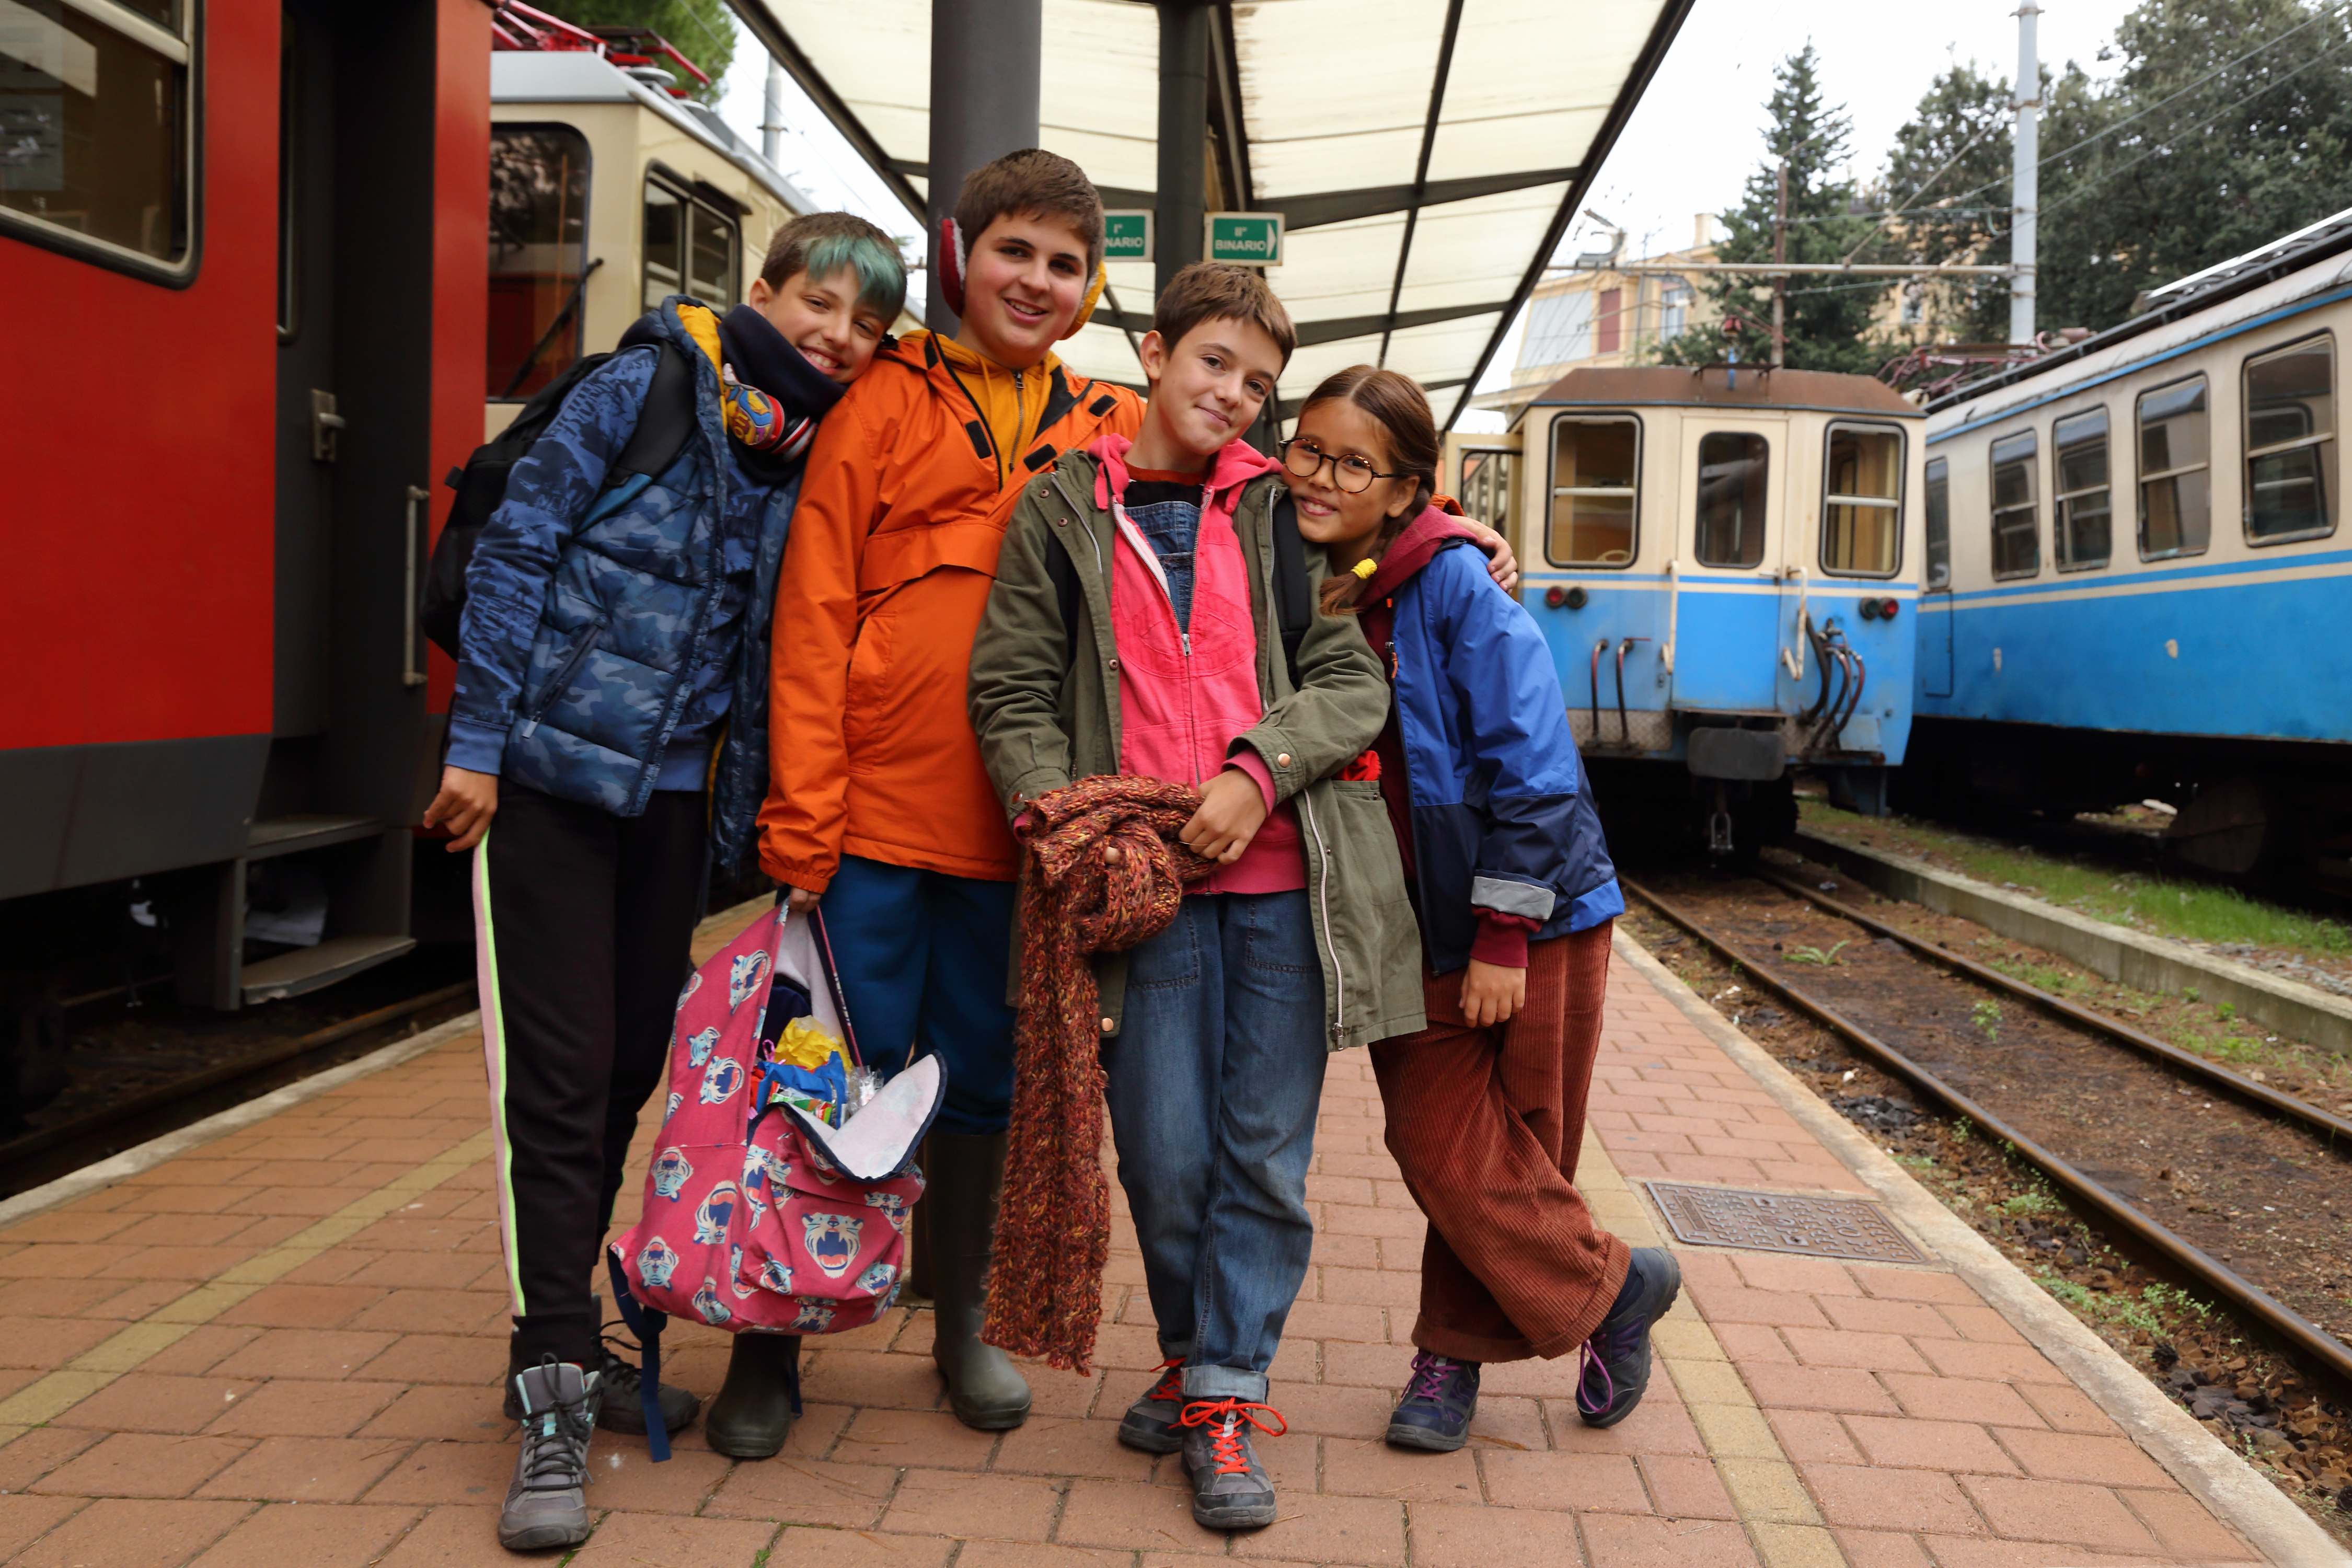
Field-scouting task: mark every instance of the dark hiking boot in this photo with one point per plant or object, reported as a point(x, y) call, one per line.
point(1440, 1398)
point(545, 1503)
point(753, 1413)
point(1150, 1423)
point(1614, 1366)
point(622, 1408)
point(1231, 1489)
point(965, 1173)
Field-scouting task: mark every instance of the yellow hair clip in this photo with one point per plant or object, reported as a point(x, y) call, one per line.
point(1364, 569)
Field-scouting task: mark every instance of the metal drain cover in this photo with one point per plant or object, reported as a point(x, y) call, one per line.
point(1783, 1222)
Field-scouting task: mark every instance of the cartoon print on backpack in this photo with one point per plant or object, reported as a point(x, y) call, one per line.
point(711, 1216)
point(735, 1276)
point(814, 1317)
point(877, 1280)
point(893, 1207)
point(686, 992)
point(697, 1046)
point(676, 1100)
point(832, 1241)
point(707, 1302)
point(776, 1277)
point(657, 1263)
point(670, 1173)
point(720, 1079)
point(744, 975)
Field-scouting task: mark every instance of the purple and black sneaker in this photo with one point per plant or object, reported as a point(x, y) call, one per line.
point(1440, 1398)
point(1615, 1371)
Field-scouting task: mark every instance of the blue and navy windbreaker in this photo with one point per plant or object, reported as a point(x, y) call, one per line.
point(1501, 816)
point(593, 617)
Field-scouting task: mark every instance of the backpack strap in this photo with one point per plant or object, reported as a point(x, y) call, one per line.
point(664, 424)
point(1294, 596)
point(647, 1323)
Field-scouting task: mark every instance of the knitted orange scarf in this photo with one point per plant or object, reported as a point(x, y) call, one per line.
point(1103, 871)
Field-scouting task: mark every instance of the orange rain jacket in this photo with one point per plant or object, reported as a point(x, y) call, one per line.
point(892, 554)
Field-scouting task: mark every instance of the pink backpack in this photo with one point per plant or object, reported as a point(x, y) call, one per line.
point(759, 1217)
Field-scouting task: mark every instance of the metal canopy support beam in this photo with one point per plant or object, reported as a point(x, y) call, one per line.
point(1320, 207)
point(1291, 407)
point(1226, 108)
point(984, 102)
point(1420, 166)
point(762, 25)
point(1184, 29)
point(1637, 82)
point(1340, 328)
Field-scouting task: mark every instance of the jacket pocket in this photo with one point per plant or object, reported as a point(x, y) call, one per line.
point(561, 681)
point(1365, 921)
point(868, 690)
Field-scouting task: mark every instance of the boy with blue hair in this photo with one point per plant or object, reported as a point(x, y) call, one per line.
point(611, 715)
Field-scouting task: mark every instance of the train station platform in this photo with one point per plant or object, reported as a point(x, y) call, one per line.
point(276, 1340)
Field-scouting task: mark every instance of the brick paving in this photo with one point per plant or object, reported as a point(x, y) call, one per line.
point(283, 1348)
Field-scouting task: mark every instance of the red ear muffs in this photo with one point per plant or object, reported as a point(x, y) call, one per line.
point(954, 261)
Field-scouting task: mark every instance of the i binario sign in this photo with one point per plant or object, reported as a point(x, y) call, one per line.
point(1243, 239)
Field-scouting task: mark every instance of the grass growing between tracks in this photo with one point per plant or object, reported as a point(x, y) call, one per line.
point(2162, 906)
point(2247, 1395)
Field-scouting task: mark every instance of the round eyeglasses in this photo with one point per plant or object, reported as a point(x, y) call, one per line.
point(1352, 474)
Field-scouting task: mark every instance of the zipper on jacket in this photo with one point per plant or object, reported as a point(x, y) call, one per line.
point(1323, 899)
point(563, 676)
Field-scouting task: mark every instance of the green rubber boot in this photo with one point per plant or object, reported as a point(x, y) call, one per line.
point(753, 1413)
point(965, 1174)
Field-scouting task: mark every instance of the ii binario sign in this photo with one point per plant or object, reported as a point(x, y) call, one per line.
point(1245, 239)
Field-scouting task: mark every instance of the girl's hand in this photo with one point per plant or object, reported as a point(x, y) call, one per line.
point(1491, 993)
point(1232, 808)
point(467, 802)
point(1502, 564)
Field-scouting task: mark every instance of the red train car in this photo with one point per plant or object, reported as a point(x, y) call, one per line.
point(242, 253)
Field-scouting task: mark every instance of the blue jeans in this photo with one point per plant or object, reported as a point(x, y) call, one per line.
point(923, 958)
point(1213, 1081)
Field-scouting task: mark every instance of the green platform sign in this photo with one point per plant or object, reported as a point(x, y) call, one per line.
point(1245, 239)
point(1126, 236)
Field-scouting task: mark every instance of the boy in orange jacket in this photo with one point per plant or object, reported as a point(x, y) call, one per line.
point(878, 803)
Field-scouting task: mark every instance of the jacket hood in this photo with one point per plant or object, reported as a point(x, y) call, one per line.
point(1424, 537)
point(1236, 464)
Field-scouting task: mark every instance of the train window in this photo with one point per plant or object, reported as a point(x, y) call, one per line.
point(1861, 503)
point(691, 247)
point(1483, 487)
point(97, 132)
point(2176, 483)
point(2291, 443)
point(2016, 520)
point(538, 255)
point(1594, 492)
point(1731, 488)
point(2084, 532)
point(1939, 526)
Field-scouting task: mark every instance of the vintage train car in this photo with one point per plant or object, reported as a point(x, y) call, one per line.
point(1724, 561)
point(2136, 586)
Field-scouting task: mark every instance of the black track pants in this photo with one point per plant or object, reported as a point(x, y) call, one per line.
point(582, 921)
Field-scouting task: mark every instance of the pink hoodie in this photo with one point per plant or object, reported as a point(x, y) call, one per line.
point(1185, 697)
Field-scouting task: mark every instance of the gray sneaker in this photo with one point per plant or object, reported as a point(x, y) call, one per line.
point(1231, 1489)
point(545, 1505)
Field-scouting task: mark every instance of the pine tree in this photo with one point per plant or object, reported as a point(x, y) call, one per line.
point(1827, 320)
point(701, 30)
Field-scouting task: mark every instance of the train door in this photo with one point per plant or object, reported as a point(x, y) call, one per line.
point(1935, 586)
point(1482, 474)
point(1729, 617)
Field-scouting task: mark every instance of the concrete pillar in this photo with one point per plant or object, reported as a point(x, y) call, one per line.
point(985, 97)
point(2025, 182)
point(1184, 135)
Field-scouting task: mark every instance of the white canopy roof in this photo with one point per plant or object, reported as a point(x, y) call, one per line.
point(1426, 154)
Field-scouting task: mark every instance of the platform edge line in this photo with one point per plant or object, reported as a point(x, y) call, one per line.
point(2222, 1482)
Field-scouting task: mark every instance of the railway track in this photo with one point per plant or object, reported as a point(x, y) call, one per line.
point(2203, 1171)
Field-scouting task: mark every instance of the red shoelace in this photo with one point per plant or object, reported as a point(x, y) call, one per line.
point(1229, 1414)
point(1170, 1386)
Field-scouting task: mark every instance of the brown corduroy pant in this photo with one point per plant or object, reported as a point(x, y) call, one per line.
point(1487, 1124)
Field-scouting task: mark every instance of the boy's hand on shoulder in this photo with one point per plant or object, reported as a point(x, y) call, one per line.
point(1502, 562)
point(467, 802)
point(1232, 808)
point(1491, 994)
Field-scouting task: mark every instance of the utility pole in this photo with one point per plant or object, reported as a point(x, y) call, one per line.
point(985, 104)
point(1781, 258)
point(2025, 182)
point(1182, 201)
point(771, 119)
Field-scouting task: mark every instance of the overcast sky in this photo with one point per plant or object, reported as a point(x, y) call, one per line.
point(1697, 132)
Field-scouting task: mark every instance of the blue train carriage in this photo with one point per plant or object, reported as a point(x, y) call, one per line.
point(2135, 577)
point(1724, 561)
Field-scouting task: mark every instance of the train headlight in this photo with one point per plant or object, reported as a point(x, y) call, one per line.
point(1870, 609)
point(1555, 596)
point(1886, 609)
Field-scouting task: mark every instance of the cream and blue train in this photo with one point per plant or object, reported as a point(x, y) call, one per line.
point(2138, 583)
point(1726, 562)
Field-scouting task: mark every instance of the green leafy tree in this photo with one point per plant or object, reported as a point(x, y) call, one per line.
point(1828, 320)
point(702, 30)
point(1948, 202)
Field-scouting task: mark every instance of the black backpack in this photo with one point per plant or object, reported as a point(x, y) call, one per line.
point(663, 428)
point(1294, 596)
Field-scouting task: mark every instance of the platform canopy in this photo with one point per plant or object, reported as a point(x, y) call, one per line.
point(1427, 155)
